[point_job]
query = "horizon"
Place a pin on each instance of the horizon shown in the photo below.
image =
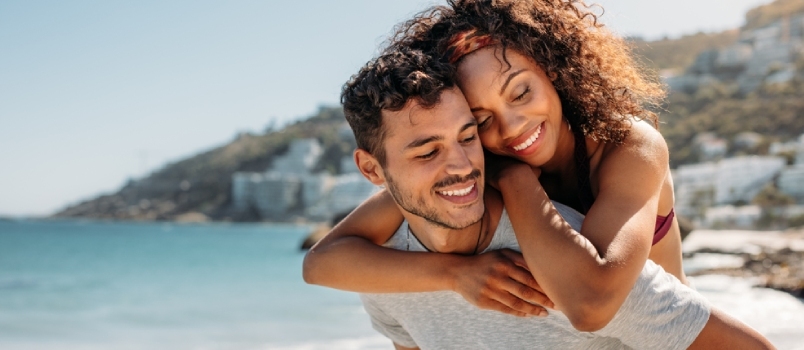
(95, 94)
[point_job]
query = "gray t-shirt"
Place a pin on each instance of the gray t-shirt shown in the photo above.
(659, 313)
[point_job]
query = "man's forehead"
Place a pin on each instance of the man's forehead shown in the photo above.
(449, 114)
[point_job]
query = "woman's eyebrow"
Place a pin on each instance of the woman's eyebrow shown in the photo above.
(508, 80)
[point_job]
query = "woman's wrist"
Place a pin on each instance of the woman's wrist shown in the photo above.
(515, 177)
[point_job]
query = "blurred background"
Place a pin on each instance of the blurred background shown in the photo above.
(163, 162)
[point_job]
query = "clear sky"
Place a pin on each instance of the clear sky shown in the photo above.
(93, 93)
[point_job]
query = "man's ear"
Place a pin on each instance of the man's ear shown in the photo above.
(369, 167)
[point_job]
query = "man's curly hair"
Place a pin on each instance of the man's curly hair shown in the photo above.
(389, 82)
(600, 85)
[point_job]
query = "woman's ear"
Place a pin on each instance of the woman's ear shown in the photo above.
(553, 76)
(369, 166)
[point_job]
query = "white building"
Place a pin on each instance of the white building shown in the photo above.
(791, 182)
(301, 158)
(741, 178)
(730, 216)
(276, 193)
(729, 181)
(695, 188)
(289, 186)
(347, 193)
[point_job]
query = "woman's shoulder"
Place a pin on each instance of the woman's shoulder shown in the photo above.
(644, 143)
(643, 140)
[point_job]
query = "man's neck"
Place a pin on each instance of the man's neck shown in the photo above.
(469, 240)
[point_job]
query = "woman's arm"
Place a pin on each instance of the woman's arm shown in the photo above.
(589, 274)
(725, 332)
(350, 258)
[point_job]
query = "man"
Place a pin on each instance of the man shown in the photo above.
(423, 147)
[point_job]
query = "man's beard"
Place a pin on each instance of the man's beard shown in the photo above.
(420, 208)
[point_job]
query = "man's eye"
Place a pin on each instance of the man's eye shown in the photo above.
(428, 155)
(470, 138)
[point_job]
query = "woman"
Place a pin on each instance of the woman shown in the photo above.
(553, 90)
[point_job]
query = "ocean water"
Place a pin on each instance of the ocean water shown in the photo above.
(96, 285)
(90, 285)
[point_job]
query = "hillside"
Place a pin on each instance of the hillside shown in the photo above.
(677, 54)
(776, 112)
(198, 188)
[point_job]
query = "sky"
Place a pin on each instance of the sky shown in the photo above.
(93, 93)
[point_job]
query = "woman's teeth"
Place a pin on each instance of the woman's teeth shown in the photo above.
(530, 140)
(462, 192)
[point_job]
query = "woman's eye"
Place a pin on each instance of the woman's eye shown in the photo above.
(523, 94)
(484, 123)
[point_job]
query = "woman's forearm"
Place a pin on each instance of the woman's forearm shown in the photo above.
(584, 284)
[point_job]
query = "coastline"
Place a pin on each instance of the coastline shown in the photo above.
(769, 259)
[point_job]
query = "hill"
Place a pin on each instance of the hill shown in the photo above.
(677, 54)
(774, 111)
(198, 188)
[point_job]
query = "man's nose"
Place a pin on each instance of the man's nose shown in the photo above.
(458, 162)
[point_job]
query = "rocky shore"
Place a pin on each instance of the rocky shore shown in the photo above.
(771, 259)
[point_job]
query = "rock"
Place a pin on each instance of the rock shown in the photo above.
(315, 236)
(321, 231)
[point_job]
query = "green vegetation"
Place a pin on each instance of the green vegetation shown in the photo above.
(775, 111)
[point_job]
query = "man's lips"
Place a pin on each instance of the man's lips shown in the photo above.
(460, 195)
(458, 192)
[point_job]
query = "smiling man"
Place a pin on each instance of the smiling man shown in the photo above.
(418, 138)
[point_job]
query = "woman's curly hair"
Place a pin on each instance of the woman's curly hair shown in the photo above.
(600, 85)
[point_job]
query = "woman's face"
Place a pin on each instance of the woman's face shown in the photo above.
(517, 108)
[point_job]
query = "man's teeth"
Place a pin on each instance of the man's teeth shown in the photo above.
(529, 141)
(462, 192)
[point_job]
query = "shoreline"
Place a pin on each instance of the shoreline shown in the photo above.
(770, 259)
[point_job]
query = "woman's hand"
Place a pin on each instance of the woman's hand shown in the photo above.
(499, 168)
(500, 280)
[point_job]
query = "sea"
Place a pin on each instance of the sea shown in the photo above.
(112, 285)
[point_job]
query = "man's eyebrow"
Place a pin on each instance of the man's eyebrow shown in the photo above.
(424, 141)
(508, 80)
(469, 125)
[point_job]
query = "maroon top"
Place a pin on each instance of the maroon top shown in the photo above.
(663, 224)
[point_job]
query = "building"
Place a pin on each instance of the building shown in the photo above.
(734, 217)
(348, 191)
(791, 182)
(301, 158)
(291, 188)
(726, 182)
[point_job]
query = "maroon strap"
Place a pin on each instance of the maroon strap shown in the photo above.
(663, 224)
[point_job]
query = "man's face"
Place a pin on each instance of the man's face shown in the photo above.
(434, 161)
